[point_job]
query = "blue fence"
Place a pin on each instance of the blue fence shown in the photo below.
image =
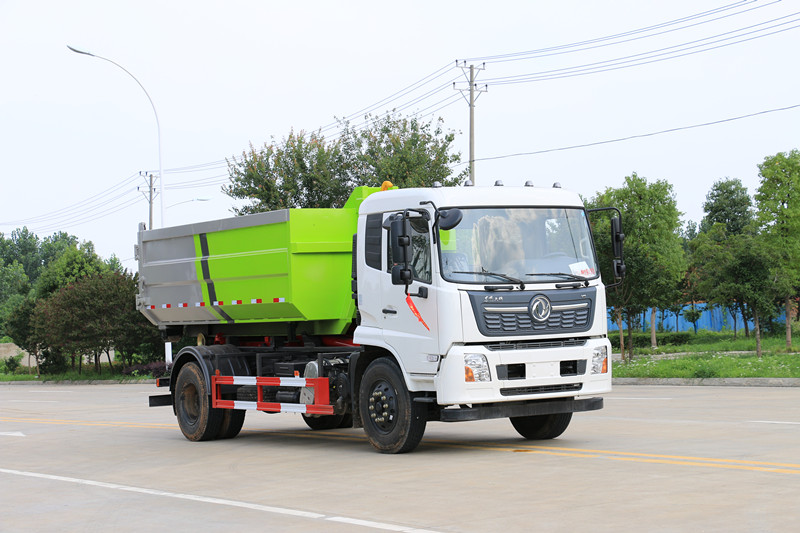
(712, 319)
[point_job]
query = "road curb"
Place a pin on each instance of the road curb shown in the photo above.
(88, 382)
(711, 382)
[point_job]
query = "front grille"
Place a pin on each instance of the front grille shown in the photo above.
(536, 345)
(509, 314)
(544, 389)
(521, 322)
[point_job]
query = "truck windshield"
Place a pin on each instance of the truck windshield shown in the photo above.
(528, 244)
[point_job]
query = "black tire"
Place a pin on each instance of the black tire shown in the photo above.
(541, 427)
(232, 422)
(347, 421)
(393, 422)
(323, 422)
(197, 420)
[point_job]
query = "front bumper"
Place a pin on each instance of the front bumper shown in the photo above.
(528, 373)
(508, 410)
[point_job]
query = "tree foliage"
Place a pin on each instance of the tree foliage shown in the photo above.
(778, 201)
(653, 253)
(728, 203)
(306, 170)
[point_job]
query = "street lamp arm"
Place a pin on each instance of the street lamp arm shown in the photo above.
(158, 123)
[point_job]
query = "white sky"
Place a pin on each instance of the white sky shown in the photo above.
(226, 74)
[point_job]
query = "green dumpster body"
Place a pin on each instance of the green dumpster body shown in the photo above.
(266, 270)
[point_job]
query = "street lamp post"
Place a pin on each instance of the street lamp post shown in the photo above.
(158, 124)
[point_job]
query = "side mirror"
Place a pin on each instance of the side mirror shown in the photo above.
(450, 218)
(400, 241)
(619, 269)
(617, 237)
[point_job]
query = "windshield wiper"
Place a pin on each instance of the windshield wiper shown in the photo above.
(497, 274)
(562, 274)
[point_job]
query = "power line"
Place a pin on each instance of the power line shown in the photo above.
(653, 56)
(591, 44)
(638, 136)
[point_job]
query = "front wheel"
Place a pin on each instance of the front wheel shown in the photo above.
(393, 422)
(541, 427)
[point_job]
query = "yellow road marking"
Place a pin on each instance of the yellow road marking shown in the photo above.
(587, 453)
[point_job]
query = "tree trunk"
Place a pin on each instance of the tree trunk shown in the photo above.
(630, 336)
(744, 318)
(653, 342)
(110, 365)
(733, 314)
(789, 313)
(80, 364)
(758, 333)
(621, 335)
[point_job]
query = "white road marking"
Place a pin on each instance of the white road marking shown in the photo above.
(627, 398)
(33, 401)
(219, 501)
(11, 434)
(47, 391)
(774, 422)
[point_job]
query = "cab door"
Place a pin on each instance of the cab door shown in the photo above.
(412, 330)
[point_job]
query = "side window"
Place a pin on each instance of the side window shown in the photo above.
(421, 251)
(372, 241)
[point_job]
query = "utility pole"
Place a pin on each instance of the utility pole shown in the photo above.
(473, 89)
(149, 197)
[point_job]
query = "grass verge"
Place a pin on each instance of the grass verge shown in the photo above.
(711, 365)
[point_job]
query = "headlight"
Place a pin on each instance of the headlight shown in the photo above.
(600, 360)
(476, 368)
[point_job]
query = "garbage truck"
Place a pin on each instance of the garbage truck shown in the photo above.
(402, 307)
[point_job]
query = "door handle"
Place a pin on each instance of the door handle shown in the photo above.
(388, 311)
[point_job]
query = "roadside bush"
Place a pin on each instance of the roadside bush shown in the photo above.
(52, 363)
(642, 340)
(156, 369)
(12, 364)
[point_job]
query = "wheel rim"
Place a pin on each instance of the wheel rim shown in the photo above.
(190, 401)
(382, 405)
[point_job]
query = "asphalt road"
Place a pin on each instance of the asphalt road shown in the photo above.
(657, 458)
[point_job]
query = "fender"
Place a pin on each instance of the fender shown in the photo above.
(206, 358)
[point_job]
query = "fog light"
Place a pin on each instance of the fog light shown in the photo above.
(600, 360)
(476, 368)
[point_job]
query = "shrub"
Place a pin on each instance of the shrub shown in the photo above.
(12, 363)
(52, 363)
(156, 369)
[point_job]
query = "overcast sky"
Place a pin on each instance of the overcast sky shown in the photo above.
(76, 131)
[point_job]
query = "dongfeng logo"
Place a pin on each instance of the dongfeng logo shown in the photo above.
(540, 308)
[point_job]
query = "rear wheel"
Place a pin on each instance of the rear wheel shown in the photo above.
(393, 422)
(541, 427)
(323, 422)
(197, 420)
(232, 422)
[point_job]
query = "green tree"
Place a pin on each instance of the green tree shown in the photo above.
(778, 202)
(23, 248)
(405, 151)
(18, 326)
(309, 171)
(653, 253)
(297, 172)
(14, 287)
(71, 265)
(727, 203)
